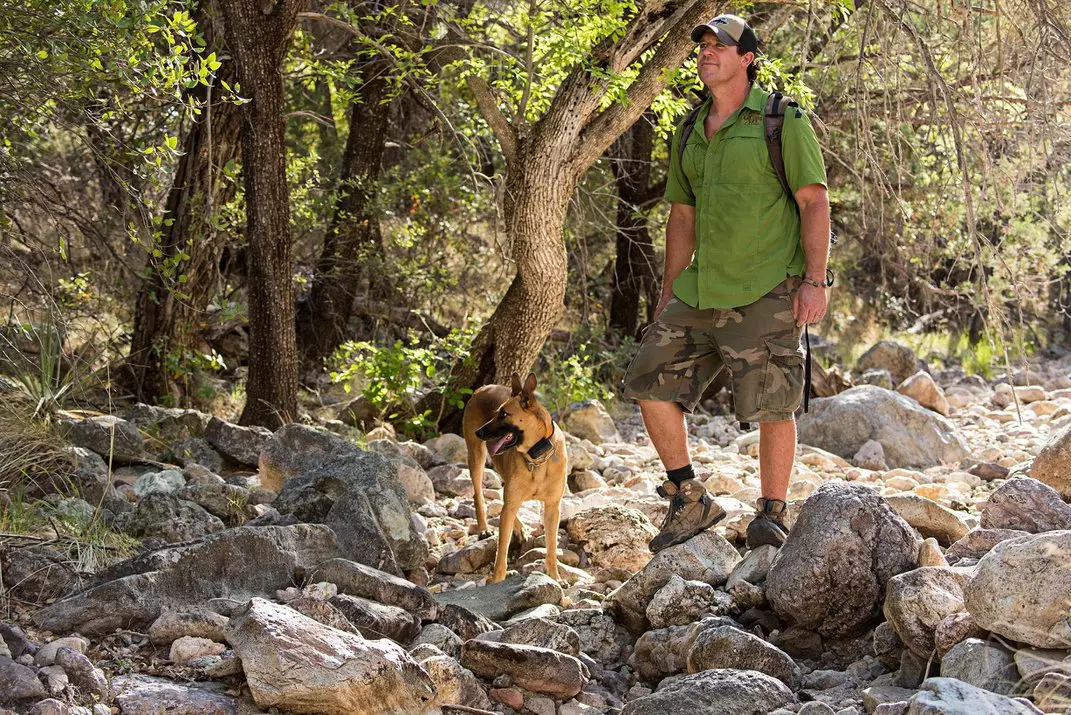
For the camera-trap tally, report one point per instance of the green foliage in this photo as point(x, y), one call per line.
point(574, 376)
point(45, 381)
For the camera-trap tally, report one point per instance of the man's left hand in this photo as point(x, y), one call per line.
point(809, 304)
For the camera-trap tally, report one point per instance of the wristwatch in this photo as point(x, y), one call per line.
point(824, 284)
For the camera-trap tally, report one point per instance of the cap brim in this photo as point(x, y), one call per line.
point(724, 37)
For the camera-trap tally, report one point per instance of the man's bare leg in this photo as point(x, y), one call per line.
point(777, 452)
point(665, 426)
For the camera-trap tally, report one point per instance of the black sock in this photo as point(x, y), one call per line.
point(680, 474)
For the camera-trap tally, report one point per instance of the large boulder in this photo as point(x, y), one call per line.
point(292, 662)
point(723, 691)
point(167, 517)
point(357, 579)
point(918, 601)
point(499, 601)
point(1053, 463)
point(539, 670)
point(613, 536)
point(1027, 505)
point(930, 518)
point(415, 481)
point(948, 696)
point(831, 573)
point(242, 445)
point(982, 664)
point(600, 635)
point(149, 695)
point(910, 435)
point(168, 423)
point(109, 436)
point(707, 557)
point(976, 543)
point(1019, 590)
point(378, 620)
point(889, 355)
point(236, 564)
point(728, 647)
point(328, 480)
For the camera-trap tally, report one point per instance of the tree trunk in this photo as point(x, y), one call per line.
point(353, 258)
point(258, 34)
point(171, 304)
point(635, 268)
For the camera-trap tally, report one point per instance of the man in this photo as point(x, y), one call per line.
point(744, 271)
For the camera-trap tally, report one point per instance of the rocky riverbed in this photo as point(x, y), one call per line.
point(928, 569)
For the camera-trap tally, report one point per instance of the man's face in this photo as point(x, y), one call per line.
point(719, 63)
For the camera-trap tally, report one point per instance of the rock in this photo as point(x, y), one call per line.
point(378, 620)
point(583, 479)
point(679, 602)
point(948, 696)
point(930, 554)
point(196, 451)
point(1053, 463)
point(358, 412)
point(469, 559)
point(81, 673)
point(163, 482)
point(454, 684)
point(36, 574)
point(467, 624)
point(600, 636)
point(46, 655)
point(990, 471)
point(239, 444)
point(831, 573)
point(500, 601)
point(613, 536)
point(1019, 590)
point(133, 593)
point(358, 494)
point(754, 567)
point(292, 662)
point(195, 621)
point(930, 518)
point(979, 542)
point(91, 476)
point(544, 633)
point(875, 696)
point(167, 517)
point(187, 648)
point(324, 613)
point(911, 436)
point(954, 629)
point(878, 377)
point(1033, 664)
point(148, 695)
point(722, 691)
point(415, 481)
point(109, 436)
point(917, 601)
point(982, 665)
point(922, 389)
point(799, 643)
point(168, 423)
point(589, 420)
point(451, 480)
point(889, 355)
point(728, 647)
point(439, 636)
point(359, 580)
point(15, 639)
point(707, 557)
point(887, 644)
point(1027, 505)
point(536, 669)
point(21, 685)
point(447, 448)
point(870, 456)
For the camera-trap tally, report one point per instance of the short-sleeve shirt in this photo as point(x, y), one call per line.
point(747, 229)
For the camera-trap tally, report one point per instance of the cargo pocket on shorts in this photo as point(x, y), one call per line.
point(782, 384)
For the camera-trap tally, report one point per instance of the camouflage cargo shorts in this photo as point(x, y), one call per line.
point(686, 348)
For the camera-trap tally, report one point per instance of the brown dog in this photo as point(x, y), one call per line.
point(528, 452)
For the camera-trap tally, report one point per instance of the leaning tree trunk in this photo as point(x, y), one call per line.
point(258, 34)
point(353, 258)
point(168, 315)
point(635, 267)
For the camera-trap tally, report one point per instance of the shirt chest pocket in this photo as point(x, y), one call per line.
point(744, 157)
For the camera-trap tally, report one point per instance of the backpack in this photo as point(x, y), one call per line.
point(773, 119)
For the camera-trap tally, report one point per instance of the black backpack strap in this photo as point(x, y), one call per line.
point(772, 121)
point(686, 131)
point(807, 371)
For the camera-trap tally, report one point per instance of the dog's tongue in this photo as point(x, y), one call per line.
point(496, 446)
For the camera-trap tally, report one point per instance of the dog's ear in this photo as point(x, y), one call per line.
point(530, 384)
point(517, 388)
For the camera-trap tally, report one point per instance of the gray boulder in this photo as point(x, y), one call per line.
point(600, 635)
point(196, 451)
point(168, 423)
point(502, 600)
point(1027, 505)
point(722, 691)
point(149, 695)
point(543, 633)
point(889, 355)
point(21, 685)
point(357, 579)
point(167, 517)
point(831, 573)
point(948, 696)
point(106, 435)
point(978, 542)
point(911, 436)
point(239, 444)
point(378, 620)
point(728, 647)
point(984, 665)
point(538, 670)
point(916, 602)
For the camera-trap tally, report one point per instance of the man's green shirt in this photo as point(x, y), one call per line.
point(747, 229)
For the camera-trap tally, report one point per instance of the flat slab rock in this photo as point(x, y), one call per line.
point(500, 601)
point(148, 695)
point(723, 691)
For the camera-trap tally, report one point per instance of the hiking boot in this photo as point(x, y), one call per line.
point(768, 526)
point(691, 510)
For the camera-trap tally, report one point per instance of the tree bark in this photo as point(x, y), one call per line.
point(258, 34)
point(353, 258)
point(635, 267)
point(168, 315)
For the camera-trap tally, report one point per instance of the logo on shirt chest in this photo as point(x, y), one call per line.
point(751, 118)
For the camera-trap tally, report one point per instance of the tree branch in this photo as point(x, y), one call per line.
point(495, 118)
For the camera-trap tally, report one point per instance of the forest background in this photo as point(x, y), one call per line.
point(262, 208)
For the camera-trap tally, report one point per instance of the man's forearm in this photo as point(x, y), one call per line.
point(680, 244)
point(814, 235)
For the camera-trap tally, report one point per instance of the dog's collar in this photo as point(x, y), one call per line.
point(540, 452)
